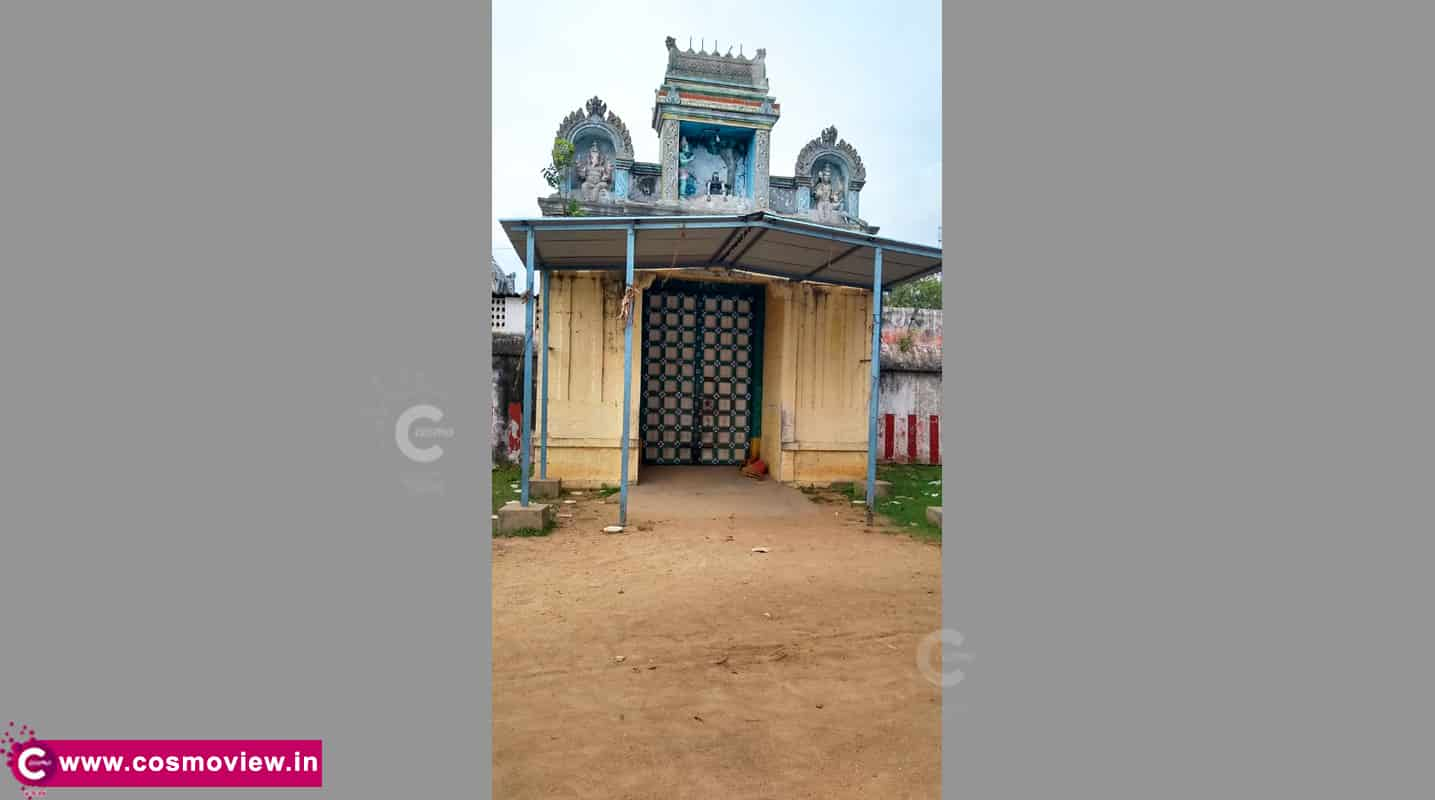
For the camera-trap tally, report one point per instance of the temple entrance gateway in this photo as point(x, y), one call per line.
point(702, 362)
point(717, 253)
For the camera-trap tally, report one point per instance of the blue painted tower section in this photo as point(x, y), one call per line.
point(701, 162)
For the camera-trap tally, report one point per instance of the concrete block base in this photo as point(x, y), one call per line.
point(934, 515)
point(884, 489)
point(544, 487)
point(514, 517)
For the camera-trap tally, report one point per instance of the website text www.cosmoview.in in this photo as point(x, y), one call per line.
point(155, 763)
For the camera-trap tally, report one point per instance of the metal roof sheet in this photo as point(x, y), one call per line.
point(760, 242)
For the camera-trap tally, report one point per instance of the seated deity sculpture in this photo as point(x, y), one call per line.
point(596, 174)
point(827, 197)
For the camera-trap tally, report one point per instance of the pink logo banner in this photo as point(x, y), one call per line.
point(167, 763)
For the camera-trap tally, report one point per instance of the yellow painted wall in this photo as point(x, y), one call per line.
point(777, 382)
point(816, 379)
point(591, 467)
point(585, 380)
point(823, 467)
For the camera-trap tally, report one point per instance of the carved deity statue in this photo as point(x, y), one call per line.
point(686, 184)
point(596, 174)
point(732, 154)
point(827, 196)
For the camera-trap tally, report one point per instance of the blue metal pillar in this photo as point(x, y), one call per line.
point(543, 395)
point(627, 384)
point(526, 456)
point(876, 378)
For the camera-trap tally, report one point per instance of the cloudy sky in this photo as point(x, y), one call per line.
point(871, 69)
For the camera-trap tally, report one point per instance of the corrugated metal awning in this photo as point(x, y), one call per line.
point(760, 242)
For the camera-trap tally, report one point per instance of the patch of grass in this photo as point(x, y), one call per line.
point(608, 491)
point(912, 492)
point(503, 478)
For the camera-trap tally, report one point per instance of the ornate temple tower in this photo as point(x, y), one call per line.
point(714, 119)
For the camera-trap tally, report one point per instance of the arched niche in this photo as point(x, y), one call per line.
point(602, 152)
point(827, 148)
point(829, 175)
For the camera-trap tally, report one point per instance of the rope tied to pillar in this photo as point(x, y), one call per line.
point(630, 301)
point(630, 294)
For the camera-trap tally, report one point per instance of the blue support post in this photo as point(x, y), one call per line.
point(627, 384)
point(543, 395)
point(876, 378)
point(526, 456)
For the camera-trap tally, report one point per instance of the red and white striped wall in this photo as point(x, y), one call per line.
point(909, 438)
point(909, 425)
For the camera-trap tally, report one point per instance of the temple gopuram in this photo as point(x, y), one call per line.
point(714, 120)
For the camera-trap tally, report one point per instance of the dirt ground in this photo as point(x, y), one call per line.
point(790, 674)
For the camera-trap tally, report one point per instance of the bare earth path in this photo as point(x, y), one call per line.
point(790, 674)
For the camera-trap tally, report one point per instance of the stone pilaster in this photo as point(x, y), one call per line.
point(760, 171)
point(668, 158)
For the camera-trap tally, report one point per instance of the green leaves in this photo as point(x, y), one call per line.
point(562, 158)
point(924, 293)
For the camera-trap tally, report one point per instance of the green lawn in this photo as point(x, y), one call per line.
point(912, 491)
point(507, 476)
point(503, 478)
point(505, 488)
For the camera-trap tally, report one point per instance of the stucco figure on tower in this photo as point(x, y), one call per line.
point(596, 174)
